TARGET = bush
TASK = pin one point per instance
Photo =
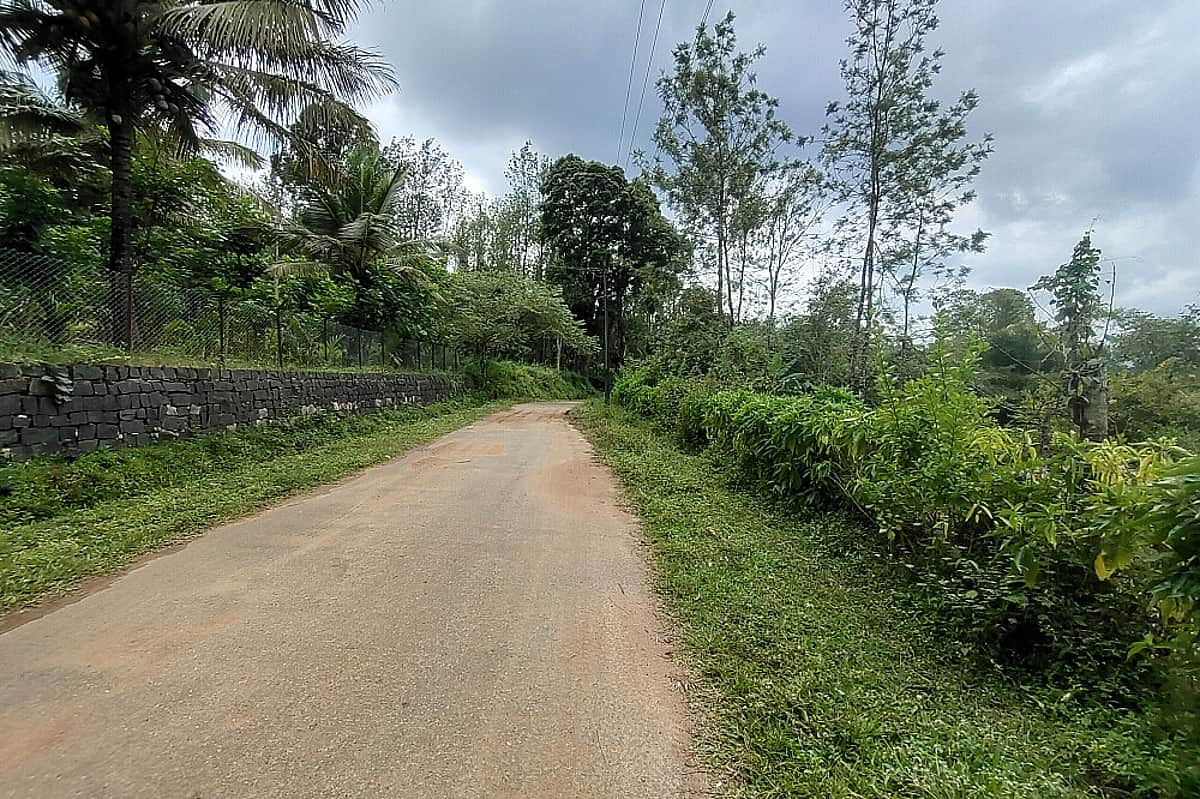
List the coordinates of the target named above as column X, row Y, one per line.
column 1163, row 401
column 1046, row 559
column 676, row 403
column 511, row 380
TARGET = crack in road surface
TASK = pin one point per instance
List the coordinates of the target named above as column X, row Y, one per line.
column 470, row 620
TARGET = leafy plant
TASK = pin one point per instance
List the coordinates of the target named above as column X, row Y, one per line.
column 510, row 380
column 1016, row 548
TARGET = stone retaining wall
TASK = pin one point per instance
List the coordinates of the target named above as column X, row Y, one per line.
column 75, row 409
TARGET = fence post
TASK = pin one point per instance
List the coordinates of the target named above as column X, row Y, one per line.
column 130, row 320
column 221, row 327
column 278, row 324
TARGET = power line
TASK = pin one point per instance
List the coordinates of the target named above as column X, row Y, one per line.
column 629, row 85
column 704, row 20
column 645, row 81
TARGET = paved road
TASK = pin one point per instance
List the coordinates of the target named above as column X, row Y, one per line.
column 471, row 620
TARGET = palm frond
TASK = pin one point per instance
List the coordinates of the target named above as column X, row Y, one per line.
column 232, row 152
column 297, row 268
column 241, row 26
column 58, row 157
column 28, row 114
column 234, row 24
column 23, row 29
column 282, row 36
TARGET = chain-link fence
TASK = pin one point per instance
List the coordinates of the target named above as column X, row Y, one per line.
column 48, row 305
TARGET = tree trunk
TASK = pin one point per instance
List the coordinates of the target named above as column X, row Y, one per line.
column 720, row 276
column 911, row 288
column 1092, row 408
column 279, row 336
column 123, row 328
column 607, row 360
column 743, row 256
column 729, row 288
column 862, row 319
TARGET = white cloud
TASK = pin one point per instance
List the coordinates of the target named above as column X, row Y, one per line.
column 1070, row 82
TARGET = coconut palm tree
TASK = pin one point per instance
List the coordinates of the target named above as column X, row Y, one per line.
column 189, row 68
column 349, row 225
column 41, row 133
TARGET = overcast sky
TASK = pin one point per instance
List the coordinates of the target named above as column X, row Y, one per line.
column 1094, row 105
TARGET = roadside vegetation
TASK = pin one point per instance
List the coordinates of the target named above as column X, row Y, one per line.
column 121, row 235
column 938, row 541
column 822, row 672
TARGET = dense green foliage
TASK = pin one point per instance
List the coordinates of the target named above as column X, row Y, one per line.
column 500, row 379
column 1045, row 557
column 502, row 314
column 820, row 672
column 611, row 249
column 181, row 70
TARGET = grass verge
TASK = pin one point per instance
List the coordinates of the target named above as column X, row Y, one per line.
column 61, row 521
column 819, row 679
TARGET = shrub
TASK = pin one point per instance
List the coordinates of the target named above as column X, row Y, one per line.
column 511, row 380
column 1049, row 559
column 677, row 403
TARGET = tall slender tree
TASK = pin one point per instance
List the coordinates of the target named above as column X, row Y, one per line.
column 898, row 160
column 1078, row 307
column 525, row 172
column 432, row 192
column 185, row 67
column 718, row 140
column 795, row 206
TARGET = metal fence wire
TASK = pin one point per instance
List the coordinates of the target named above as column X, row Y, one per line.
column 47, row 303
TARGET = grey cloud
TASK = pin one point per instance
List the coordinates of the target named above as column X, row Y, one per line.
column 1092, row 103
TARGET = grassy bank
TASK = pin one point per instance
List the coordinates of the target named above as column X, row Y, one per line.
column 818, row 678
column 61, row 521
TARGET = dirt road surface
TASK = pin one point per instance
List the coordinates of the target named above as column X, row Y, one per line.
column 470, row 620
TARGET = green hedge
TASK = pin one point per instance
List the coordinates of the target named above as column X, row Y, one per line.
column 1062, row 557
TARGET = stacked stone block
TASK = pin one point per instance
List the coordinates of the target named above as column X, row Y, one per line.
column 76, row 409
